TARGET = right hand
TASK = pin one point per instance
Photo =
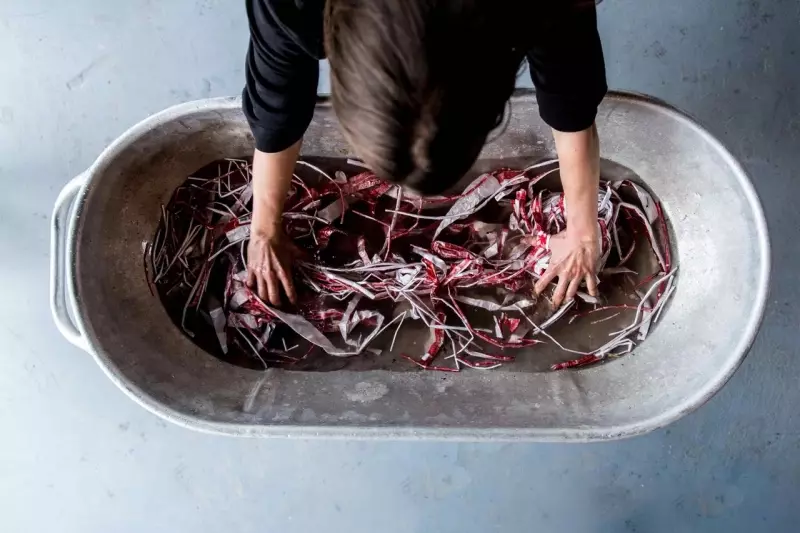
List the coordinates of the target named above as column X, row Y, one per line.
column 269, row 265
column 573, row 259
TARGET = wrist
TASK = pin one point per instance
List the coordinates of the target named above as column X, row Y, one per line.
column 582, row 218
column 582, row 226
column 581, row 211
column 266, row 221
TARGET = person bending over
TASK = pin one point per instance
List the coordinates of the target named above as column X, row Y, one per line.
column 417, row 86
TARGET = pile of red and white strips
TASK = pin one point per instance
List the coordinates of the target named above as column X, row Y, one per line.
column 428, row 256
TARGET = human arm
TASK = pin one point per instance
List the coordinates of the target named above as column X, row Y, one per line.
column 281, row 69
column 568, row 71
column 574, row 252
column 270, row 253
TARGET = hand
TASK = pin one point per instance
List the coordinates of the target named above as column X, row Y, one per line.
column 269, row 265
column 270, row 253
column 573, row 259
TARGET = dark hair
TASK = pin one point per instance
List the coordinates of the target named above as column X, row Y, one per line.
column 418, row 85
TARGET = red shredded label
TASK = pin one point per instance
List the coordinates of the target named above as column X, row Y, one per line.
column 376, row 256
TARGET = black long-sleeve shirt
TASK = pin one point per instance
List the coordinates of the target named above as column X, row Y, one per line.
column 564, row 54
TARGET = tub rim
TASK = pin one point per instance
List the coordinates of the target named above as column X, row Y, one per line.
column 583, row 434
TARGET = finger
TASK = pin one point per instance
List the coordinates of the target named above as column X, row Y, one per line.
column 591, row 284
column 262, row 287
column 288, row 286
column 272, row 287
column 561, row 291
column 546, row 278
column 251, row 278
column 572, row 290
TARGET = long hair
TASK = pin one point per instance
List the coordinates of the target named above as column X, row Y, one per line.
column 418, row 85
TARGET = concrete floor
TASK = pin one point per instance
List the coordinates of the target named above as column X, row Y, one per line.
column 77, row 455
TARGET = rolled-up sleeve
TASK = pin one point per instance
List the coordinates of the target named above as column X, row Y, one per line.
column 282, row 69
column 568, row 70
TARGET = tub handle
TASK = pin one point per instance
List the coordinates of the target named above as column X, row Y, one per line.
column 60, row 269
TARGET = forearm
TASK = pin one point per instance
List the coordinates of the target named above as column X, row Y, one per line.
column 579, row 160
column 272, row 176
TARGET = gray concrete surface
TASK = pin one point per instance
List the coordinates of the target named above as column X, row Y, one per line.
column 77, row 455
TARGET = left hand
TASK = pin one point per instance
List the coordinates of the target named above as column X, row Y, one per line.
column 573, row 259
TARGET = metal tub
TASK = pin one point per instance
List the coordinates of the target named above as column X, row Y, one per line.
column 101, row 301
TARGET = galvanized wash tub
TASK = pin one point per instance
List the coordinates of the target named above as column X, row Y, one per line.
column 101, row 301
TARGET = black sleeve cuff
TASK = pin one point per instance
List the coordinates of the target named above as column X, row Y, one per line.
column 567, row 69
column 569, row 113
column 281, row 71
column 276, row 131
